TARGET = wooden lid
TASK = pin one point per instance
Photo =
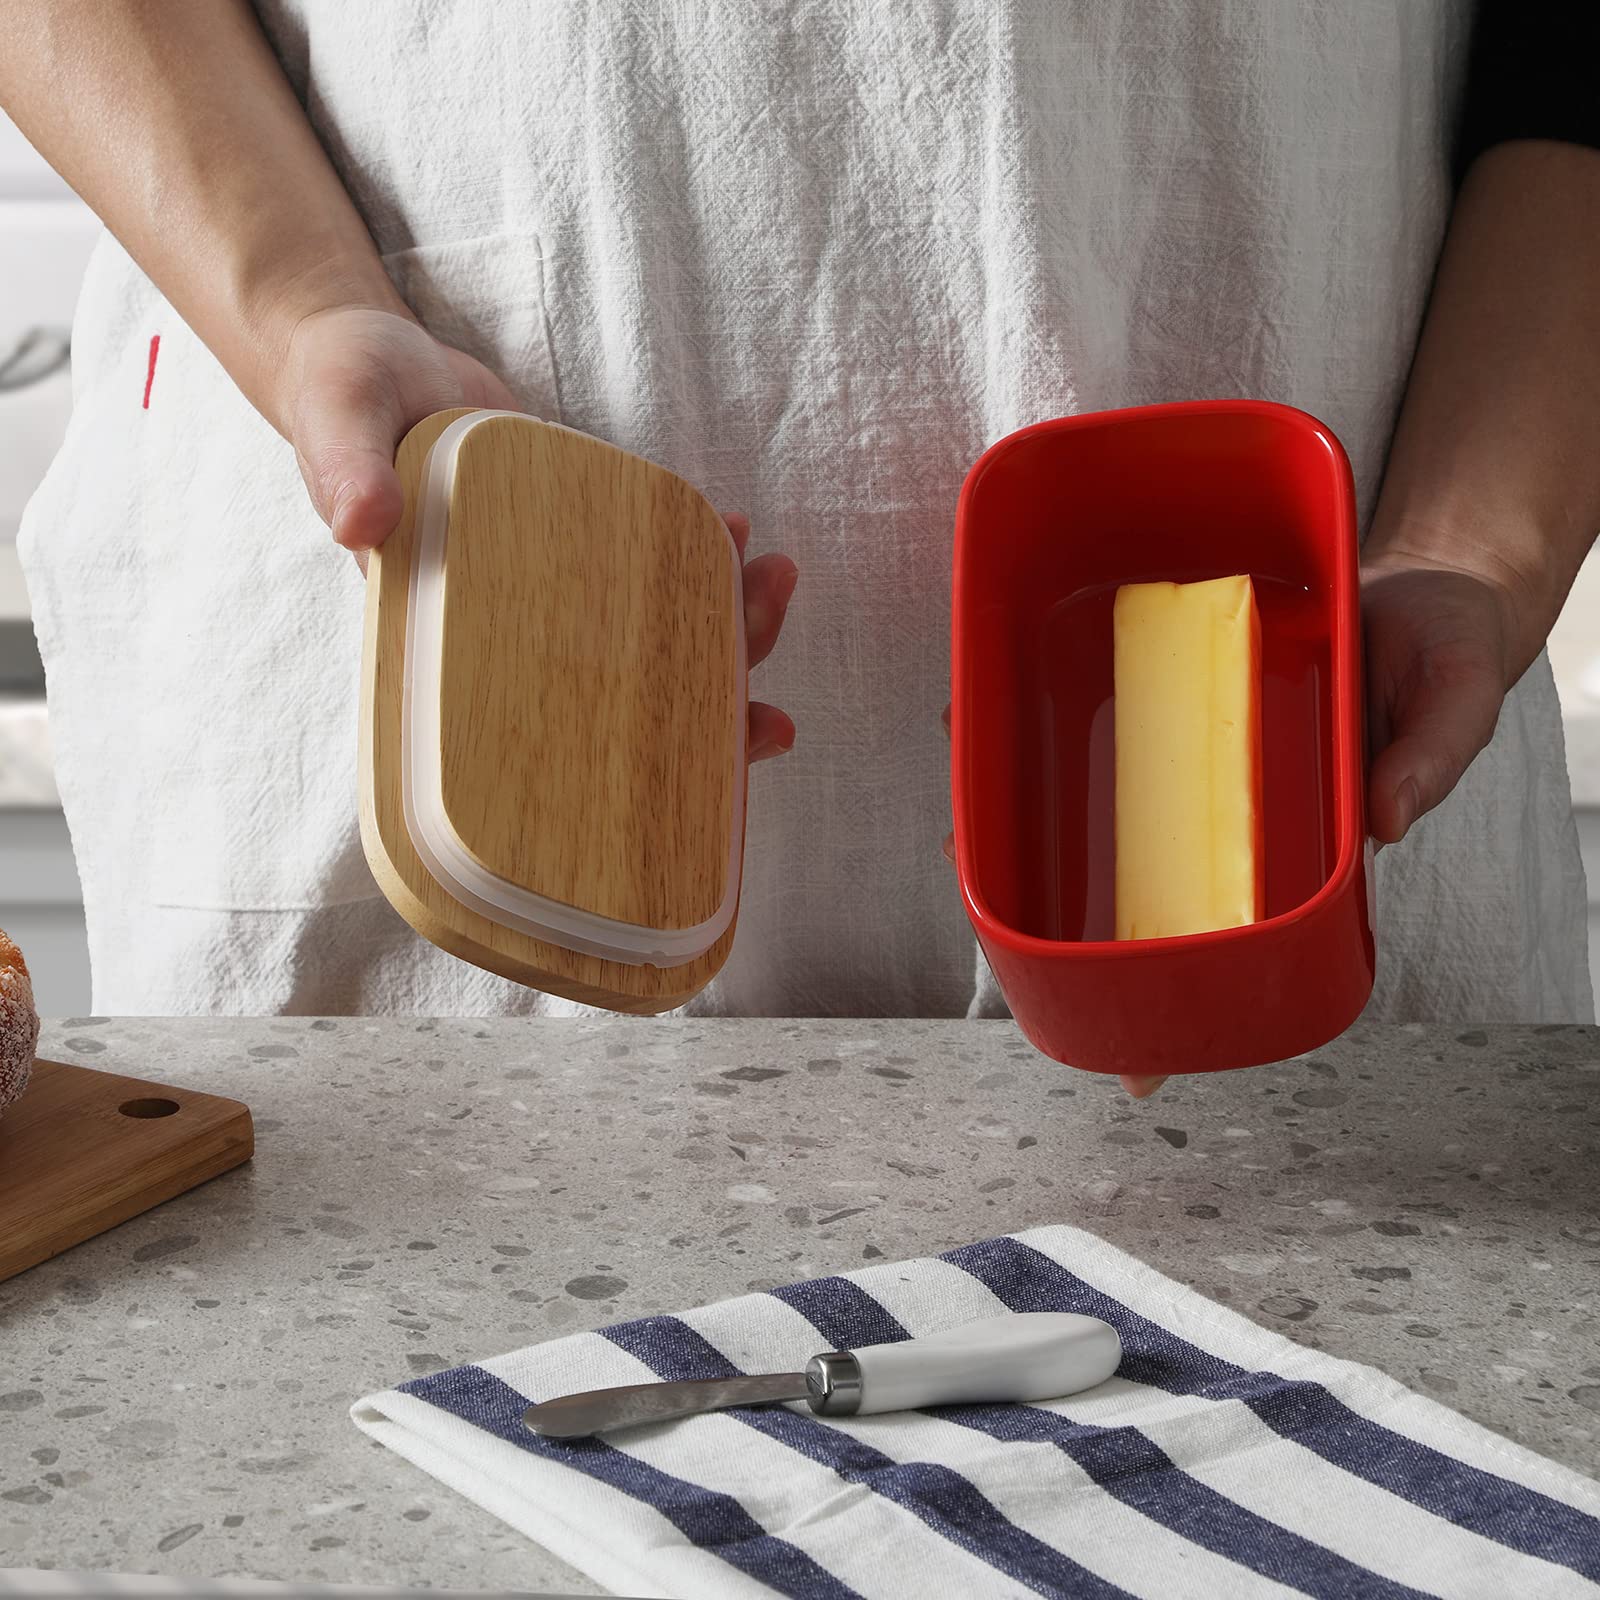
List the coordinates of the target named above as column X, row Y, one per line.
column 554, row 710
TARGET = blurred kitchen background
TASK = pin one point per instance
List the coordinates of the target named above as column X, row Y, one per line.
column 45, row 238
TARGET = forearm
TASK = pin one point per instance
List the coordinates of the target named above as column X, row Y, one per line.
column 174, row 122
column 1495, row 469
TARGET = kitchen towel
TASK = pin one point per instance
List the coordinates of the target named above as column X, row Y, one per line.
column 1223, row 1459
column 39, row 1583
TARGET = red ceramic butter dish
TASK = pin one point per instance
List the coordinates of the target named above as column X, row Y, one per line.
column 1052, row 521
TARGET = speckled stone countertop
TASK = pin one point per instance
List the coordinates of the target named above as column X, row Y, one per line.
column 173, row 1395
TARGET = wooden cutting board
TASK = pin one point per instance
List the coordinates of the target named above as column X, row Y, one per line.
column 83, row 1150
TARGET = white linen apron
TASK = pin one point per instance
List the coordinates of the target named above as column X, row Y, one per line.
column 814, row 257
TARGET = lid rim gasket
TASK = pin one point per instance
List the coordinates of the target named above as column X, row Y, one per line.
column 433, row 836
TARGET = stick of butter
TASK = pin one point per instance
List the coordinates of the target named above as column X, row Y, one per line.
column 1187, row 663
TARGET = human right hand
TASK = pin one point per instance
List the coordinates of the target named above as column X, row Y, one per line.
column 357, row 379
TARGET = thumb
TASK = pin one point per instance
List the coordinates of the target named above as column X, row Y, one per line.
column 1433, row 737
column 345, row 440
column 1141, row 1088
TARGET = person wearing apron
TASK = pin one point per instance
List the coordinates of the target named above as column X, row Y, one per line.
column 814, row 258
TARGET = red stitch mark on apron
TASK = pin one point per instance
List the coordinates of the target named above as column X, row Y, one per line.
column 150, row 371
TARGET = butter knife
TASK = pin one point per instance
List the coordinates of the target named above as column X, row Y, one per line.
column 1022, row 1355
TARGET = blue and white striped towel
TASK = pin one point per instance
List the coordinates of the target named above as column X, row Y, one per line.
column 1222, row 1461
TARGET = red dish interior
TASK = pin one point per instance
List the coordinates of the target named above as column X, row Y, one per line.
column 1053, row 521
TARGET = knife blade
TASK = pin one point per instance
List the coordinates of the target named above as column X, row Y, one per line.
column 575, row 1416
column 1021, row 1355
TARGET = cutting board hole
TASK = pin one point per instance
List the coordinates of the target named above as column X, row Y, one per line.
column 148, row 1108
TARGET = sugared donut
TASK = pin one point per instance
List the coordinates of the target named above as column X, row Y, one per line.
column 19, row 1023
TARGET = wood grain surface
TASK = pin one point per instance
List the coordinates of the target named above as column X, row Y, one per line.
column 590, row 703
column 84, row 1150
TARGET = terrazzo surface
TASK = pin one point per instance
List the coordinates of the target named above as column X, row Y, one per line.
column 174, row 1394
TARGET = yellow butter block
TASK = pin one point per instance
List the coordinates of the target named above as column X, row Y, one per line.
column 1188, row 757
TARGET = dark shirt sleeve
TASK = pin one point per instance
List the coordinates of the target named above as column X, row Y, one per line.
column 1533, row 73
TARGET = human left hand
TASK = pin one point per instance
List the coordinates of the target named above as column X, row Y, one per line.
column 1443, row 646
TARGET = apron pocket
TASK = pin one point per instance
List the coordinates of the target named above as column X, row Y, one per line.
column 249, row 651
column 487, row 297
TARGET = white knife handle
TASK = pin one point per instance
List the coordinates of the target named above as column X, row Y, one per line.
column 1023, row 1355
